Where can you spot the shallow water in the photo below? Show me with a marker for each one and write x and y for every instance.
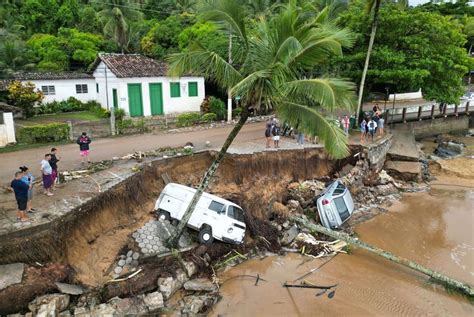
(434, 229)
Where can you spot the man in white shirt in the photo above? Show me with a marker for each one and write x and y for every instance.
(46, 170)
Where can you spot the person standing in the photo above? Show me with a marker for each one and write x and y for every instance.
(268, 134)
(372, 125)
(380, 125)
(28, 179)
(46, 171)
(345, 124)
(276, 135)
(363, 131)
(300, 138)
(54, 165)
(21, 196)
(84, 142)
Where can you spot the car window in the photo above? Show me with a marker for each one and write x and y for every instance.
(341, 208)
(236, 213)
(339, 190)
(217, 207)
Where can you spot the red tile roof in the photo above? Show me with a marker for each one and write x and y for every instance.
(132, 65)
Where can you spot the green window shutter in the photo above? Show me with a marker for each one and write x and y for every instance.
(175, 89)
(193, 89)
(97, 87)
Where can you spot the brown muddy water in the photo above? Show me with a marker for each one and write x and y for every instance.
(433, 228)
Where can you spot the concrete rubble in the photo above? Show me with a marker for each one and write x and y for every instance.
(200, 284)
(11, 274)
(49, 305)
(70, 288)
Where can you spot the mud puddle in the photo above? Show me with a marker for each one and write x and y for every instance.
(434, 229)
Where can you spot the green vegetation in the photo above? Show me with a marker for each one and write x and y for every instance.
(187, 119)
(61, 117)
(52, 132)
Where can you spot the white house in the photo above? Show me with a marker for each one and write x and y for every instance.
(58, 86)
(139, 85)
(7, 129)
(135, 83)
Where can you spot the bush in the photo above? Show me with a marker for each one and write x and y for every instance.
(236, 112)
(44, 133)
(217, 106)
(119, 114)
(69, 105)
(138, 126)
(209, 117)
(188, 118)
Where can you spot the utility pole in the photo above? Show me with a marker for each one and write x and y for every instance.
(229, 97)
(111, 109)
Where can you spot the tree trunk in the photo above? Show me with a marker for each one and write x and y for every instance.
(367, 58)
(442, 279)
(173, 240)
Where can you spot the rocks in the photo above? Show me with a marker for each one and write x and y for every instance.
(200, 284)
(69, 288)
(49, 305)
(289, 235)
(11, 274)
(294, 206)
(153, 301)
(193, 305)
(384, 178)
(385, 190)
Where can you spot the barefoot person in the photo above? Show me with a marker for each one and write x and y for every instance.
(21, 195)
(46, 171)
(84, 142)
(28, 179)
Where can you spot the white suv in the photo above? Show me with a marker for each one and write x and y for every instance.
(335, 205)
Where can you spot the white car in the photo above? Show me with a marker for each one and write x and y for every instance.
(468, 96)
(335, 205)
(213, 217)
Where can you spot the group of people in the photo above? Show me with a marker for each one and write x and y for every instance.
(22, 184)
(372, 124)
(272, 132)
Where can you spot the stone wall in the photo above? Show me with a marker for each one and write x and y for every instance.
(427, 128)
(95, 129)
(375, 153)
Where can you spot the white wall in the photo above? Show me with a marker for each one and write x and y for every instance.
(170, 105)
(407, 96)
(7, 130)
(65, 88)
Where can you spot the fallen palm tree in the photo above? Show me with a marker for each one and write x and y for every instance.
(438, 277)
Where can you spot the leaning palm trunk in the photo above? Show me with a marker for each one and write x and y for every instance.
(367, 58)
(442, 279)
(173, 240)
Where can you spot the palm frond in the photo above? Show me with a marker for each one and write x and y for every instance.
(209, 64)
(312, 122)
(227, 15)
(329, 93)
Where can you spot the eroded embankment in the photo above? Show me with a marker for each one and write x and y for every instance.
(90, 237)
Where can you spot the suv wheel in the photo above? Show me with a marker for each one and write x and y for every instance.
(205, 235)
(163, 215)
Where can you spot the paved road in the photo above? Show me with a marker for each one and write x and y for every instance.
(102, 149)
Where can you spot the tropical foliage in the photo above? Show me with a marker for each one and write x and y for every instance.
(24, 95)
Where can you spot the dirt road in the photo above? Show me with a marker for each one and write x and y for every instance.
(107, 148)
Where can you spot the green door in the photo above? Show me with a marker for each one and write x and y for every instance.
(156, 99)
(115, 98)
(135, 102)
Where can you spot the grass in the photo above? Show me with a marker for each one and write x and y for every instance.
(23, 146)
(61, 117)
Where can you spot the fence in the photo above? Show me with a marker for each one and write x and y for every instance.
(419, 113)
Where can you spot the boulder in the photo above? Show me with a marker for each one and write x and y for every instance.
(289, 235)
(128, 306)
(200, 284)
(153, 301)
(69, 288)
(49, 305)
(169, 285)
(384, 178)
(385, 190)
(196, 304)
(11, 274)
(294, 205)
(190, 267)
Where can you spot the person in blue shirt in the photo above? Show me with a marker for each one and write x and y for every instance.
(21, 195)
(28, 179)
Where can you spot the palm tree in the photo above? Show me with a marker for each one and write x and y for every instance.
(273, 73)
(115, 17)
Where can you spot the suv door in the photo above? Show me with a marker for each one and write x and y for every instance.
(215, 217)
(235, 224)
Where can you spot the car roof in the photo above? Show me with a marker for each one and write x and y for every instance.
(172, 187)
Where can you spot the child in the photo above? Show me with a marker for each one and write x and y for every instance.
(345, 124)
(84, 142)
(28, 179)
(372, 125)
(363, 131)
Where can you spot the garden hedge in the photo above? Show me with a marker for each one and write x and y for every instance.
(43, 133)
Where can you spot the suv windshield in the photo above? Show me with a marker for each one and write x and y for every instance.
(341, 208)
(339, 190)
(236, 213)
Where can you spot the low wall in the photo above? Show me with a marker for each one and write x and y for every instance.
(375, 153)
(428, 128)
(95, 129)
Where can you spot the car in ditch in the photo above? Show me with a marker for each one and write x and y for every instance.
(213, 217)
(334, 204)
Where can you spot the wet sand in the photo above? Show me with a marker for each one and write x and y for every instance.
(433, 228)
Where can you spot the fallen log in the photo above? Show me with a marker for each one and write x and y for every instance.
(438, 277)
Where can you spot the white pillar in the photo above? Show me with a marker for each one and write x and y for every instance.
(10, 126)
